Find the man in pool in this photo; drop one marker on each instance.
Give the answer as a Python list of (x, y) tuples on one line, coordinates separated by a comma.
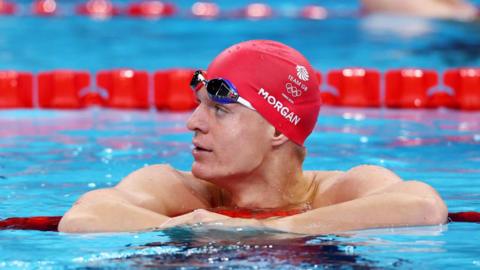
[(258, 102)]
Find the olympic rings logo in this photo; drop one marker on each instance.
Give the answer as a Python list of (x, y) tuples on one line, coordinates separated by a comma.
[(292, 90)]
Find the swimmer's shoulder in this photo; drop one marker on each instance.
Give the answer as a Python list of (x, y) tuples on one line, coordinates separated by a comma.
[(161, 179), (152, 175), (322, 180), (339, 186), (322, 176), (210, 192)]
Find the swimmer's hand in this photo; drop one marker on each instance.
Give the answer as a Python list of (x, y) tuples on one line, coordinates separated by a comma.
[(239, 223), (194, 217), (205, 217)]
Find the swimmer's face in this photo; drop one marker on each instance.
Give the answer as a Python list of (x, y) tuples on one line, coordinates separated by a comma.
[(229, 140)]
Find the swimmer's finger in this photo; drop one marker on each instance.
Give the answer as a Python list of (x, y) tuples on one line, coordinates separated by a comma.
[(171, 222), (176, 221), (239, 222), (194, 217), (202, 215)]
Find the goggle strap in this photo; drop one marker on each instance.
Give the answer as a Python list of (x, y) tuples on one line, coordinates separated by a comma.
[(245, 103), (199, 86), (201, 81)]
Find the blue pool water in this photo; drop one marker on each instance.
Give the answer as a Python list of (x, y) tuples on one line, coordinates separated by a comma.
[(35, 44), (49, 158)]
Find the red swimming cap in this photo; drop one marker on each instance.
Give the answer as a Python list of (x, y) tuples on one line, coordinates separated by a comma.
[(277, 80)]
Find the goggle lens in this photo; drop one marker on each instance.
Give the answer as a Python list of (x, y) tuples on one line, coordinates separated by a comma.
[(219, 90), (222, 91)]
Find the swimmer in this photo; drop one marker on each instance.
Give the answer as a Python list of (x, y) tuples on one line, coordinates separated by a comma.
[(460, 10), (258, 101)]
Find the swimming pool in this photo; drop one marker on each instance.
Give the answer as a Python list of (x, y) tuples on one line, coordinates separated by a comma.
[(49, 157), (33, 43)]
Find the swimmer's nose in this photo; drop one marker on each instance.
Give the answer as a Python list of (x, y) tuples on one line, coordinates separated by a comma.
[(197, 121)]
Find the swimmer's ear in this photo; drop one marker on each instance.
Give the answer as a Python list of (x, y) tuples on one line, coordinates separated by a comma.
[(278, 138)]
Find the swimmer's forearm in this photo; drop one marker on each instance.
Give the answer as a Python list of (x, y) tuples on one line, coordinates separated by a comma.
[(376, 211), (108, 210), (109, 216)]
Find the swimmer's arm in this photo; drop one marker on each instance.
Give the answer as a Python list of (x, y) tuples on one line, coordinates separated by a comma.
[(144, 199), (107, 210), (368, 197), (112, 213)]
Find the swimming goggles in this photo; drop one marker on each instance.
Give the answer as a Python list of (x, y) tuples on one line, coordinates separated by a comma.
[(219, 90)]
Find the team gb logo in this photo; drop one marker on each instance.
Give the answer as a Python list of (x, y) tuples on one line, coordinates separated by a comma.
[(302, 73)]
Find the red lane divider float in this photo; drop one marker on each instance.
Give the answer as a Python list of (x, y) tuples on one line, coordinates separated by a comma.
[(62, 89), (465, 83), (356, 87), (16, 89), (126, 88), (172, 90), (45, 8), (104, 9), (100, 9), (441, 99), (31, 223), (257, 11), (464, 217), (50, 223), (7, 8), (205, 10), (313, 12), (151, 9), (408, 88)]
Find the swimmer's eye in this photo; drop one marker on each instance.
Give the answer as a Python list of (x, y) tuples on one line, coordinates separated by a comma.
[(219, 109)]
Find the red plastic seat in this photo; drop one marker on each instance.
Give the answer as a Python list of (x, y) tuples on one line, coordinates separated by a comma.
[(45, 7), (7, 8), (408, 88), (126, 88), (172, 90), (151, 9), (205, 10), (62, 89), (465, 83), (313, 12), (356, 86), (98, 9), (16, 89)]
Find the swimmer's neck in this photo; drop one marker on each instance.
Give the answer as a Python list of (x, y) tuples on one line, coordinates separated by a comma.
[(267, 196), (279, 185)]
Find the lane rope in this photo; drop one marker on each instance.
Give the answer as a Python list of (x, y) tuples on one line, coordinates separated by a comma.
[(50, 223)]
